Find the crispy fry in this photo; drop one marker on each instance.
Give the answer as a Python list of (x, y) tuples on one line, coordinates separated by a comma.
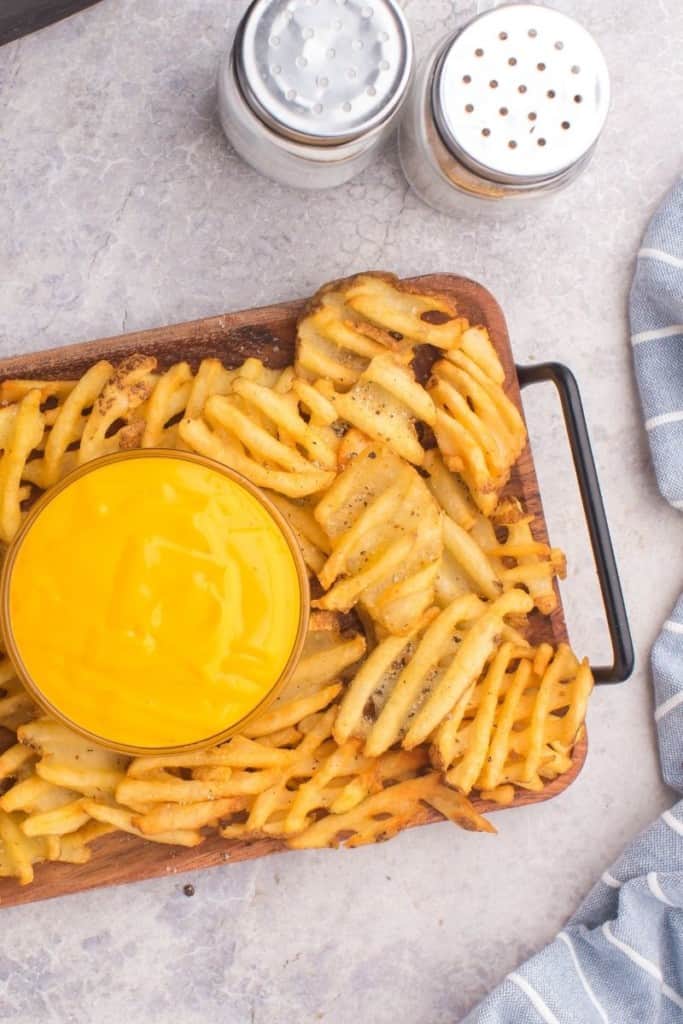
[(122, 820), (15, 390), (328, 654), (259, 431), (269, 800), (328, 789), (310, 535), (385, 403), (199, 437), (421, 317), (171, 817), (59, 821), (168, 400), (330, 346), (130, 385), (74, 848), (410, 683), (537, 563), (385, 531), (449, 492), (382, 815), (26, 434), (282, 716), (68, 427), (478, 429), (19, 852), (476, 344), (469, 560), (463, 671), (14, 759), (349, 322), (464, 776), (522, 720), (69, 761)]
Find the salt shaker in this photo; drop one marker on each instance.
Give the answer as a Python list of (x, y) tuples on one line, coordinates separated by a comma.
[(310, 89), (509, 108)]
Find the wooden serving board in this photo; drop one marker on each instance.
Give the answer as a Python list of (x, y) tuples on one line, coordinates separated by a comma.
[(267, 333)]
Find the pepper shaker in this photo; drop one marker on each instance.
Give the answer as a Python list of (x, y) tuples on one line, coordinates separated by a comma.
[(509, 108)]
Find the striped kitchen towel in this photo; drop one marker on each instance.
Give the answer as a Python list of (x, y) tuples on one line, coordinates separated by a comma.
[(657, 326), (619, 960)]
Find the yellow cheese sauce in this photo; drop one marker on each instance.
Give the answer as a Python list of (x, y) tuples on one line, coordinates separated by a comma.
[(154, 602)]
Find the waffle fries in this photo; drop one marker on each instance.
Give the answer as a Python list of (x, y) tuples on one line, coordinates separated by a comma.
[(478, 429), (350, 322), (417, 688)]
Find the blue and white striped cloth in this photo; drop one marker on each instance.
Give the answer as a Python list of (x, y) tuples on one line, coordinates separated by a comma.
[(619, 960)]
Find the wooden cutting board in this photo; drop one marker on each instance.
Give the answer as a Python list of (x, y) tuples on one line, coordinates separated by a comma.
[(268, 334)]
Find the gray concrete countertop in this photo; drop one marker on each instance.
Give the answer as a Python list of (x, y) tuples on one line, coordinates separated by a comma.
[(122, 207)]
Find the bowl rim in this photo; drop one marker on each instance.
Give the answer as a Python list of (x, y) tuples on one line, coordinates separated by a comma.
[(49, 495)]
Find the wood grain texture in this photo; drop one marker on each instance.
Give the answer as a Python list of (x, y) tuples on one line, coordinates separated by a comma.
[(267, 333)]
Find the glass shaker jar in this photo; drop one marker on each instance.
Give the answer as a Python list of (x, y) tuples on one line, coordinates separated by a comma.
[(509, 108), (310, 89)]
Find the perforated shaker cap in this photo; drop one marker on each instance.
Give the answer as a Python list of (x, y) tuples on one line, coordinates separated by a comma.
[(323, 71), (521, 94)]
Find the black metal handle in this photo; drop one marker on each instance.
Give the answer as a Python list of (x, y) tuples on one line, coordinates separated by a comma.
[(594, 510)]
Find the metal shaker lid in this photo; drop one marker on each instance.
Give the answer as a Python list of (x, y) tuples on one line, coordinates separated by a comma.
[(521, 94), (323, 71)]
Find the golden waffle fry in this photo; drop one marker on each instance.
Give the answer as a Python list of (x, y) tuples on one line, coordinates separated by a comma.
[(61, 820), (30, 793), (74, 848), (332, 345), (25, 434), (475, 560), (382, 815), (329, 788), (167, 402), (15, 390), (419, 316), (280, 440), (312, 539), (479, 431), (385, 403), (70, 761), (537, 563), (211, 378), (171, 817), (351, 321), (476, 344), (441, 707), (123, 820), (68, 426), (385, 531), (130, 385), (19, 852), (329, 651), (465, 567), (15, 761), (288, 713), (522, 720), (170, 789), (111, 409), (450, 493), (270, 800), (404, 692)]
